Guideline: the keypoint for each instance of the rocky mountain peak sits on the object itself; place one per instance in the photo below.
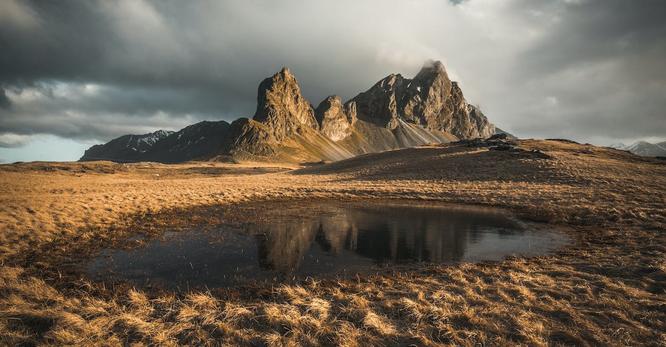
(430, 100)
(432, 68)
(282, 107)
(379, 104)
(285, 71)
(432, 73)
(331, 102)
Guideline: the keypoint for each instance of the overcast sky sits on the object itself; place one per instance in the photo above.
(74, 73)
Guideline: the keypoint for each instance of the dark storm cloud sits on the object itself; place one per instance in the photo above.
(600, 64)
(4, 100)
(126, 45)
(84, 111)
(594, 31)
(99, 69)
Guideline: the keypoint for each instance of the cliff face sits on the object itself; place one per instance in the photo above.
(335, 120)
(394, 113)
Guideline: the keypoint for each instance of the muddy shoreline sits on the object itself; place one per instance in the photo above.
(62, 265)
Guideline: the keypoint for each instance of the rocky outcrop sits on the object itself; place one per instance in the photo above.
(499, 131)
(282, 107)
(335, 119)
(394, 113)
(284, 127)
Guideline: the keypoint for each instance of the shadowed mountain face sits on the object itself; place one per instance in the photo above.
(394, 113)
(196, 141)
(126, 148)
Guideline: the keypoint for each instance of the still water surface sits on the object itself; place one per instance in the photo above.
(338, 241)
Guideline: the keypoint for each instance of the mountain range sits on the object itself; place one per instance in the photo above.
(396, 112)
(644, 148)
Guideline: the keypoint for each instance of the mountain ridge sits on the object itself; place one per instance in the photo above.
(396, 112)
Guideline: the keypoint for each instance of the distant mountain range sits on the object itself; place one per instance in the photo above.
(644, 148)
(396, 112)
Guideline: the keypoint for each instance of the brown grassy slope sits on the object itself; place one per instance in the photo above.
(608, 289)
(580, 183)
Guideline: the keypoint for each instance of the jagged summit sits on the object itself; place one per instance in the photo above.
(285, 71)
(433, 67)
(396, 112)
(282, 107)
(430, 100)
(431, 73)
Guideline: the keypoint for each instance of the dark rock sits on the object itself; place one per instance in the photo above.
(564, 140)
(502, 147)
(509, 136)
(539, 154)
(501, 136)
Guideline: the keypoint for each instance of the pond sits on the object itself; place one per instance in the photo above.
(329, 239)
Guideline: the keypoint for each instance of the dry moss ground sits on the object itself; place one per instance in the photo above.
(609, 288)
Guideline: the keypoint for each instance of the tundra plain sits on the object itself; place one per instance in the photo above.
(607, 288)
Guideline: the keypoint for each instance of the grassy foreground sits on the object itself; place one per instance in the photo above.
(608, 288)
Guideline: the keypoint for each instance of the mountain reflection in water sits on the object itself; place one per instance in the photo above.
(339, 240)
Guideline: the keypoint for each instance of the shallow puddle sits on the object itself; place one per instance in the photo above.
(326, 240)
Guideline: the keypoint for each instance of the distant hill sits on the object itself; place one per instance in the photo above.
(644, 148)
(126, 148)
(196, 141)
(396, 112)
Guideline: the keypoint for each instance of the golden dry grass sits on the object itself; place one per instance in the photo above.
(609, 288)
